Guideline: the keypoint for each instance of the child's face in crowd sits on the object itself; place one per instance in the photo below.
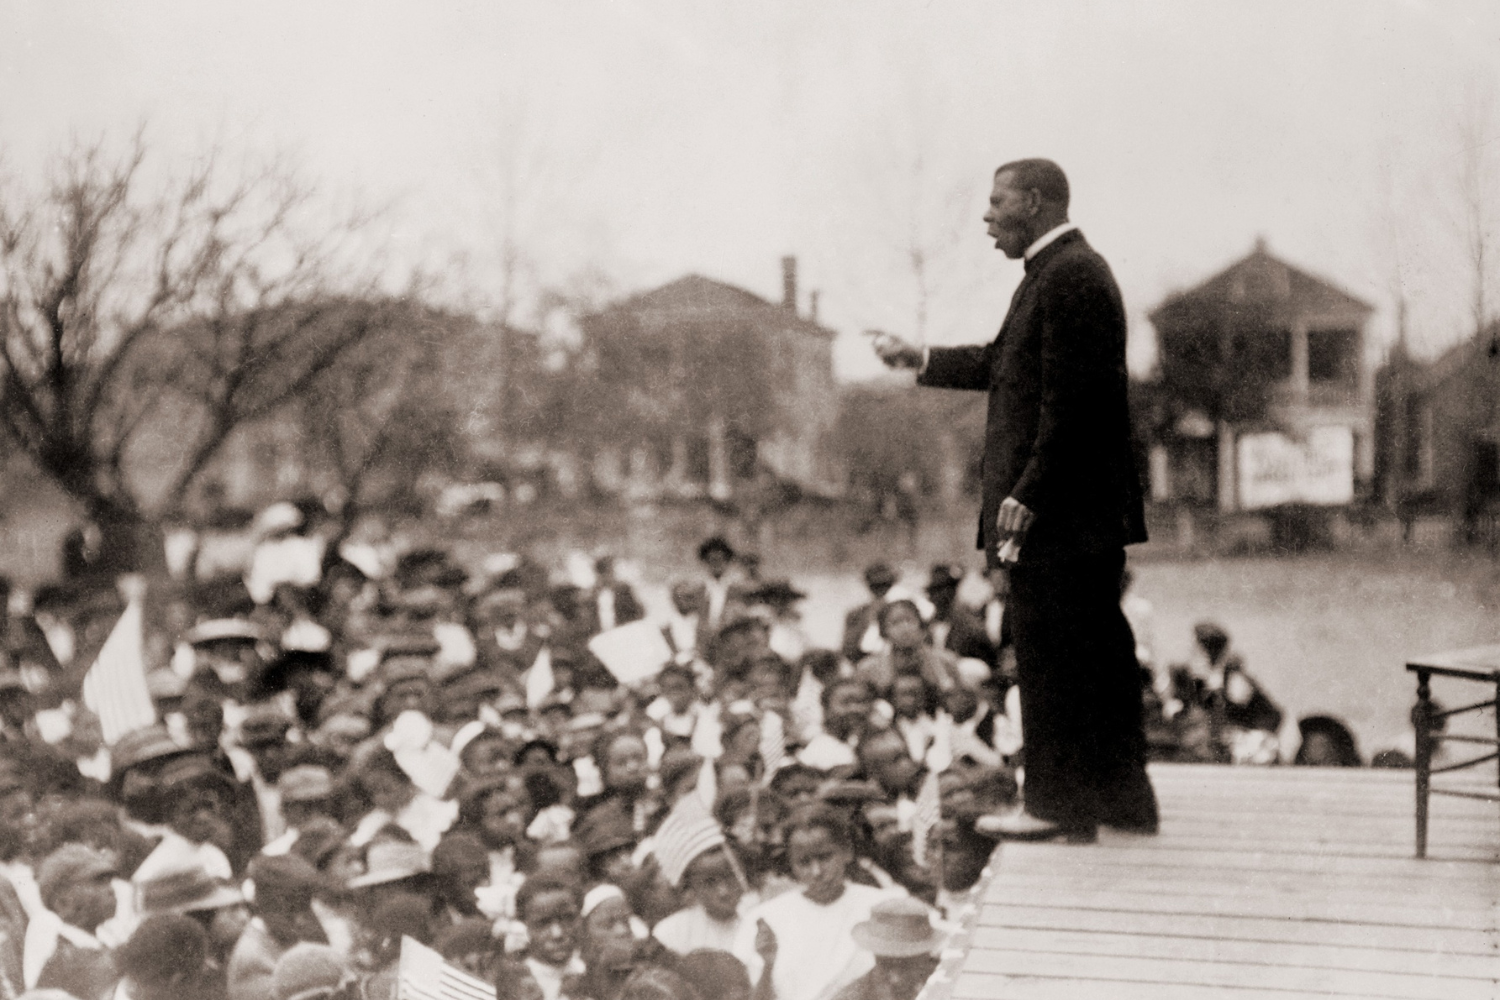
(888, 762)
(711, 881)
(765, 682)
(848, 710)
(903, 627)
(87, 903)
(625, 764)
(908, 697)
(502, 817)
(485, 757)
(678, 691)
(818, 862)
(551, 920)
(607, 940)
(198, 813)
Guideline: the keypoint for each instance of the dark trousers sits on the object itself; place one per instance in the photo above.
(1080, 693)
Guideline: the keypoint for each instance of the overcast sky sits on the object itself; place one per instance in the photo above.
(639, 140)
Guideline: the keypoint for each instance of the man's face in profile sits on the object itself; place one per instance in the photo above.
(1008, 219)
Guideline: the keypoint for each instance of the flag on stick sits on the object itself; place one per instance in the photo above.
(423, 975)
(929, 809)
(115, 686)
(539, 679)
(687, 832)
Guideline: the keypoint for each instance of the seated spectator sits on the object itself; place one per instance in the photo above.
(196, 801)
(169, 958)
(914, 704)
(713, 919)
(315, 972)
(715, 975)
(607, 943)
(284, 888)
(906, 652)
(861, 632)
(847, 704)
(900, 935)
(1218, 711)
(402, 915)
(803, 940)
(62, 950)
(460, 866)
(1326, 742)
(551, 911)
(216, 905)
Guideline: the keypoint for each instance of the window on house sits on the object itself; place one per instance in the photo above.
(1333, 356)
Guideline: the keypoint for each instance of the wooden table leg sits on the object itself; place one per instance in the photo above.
(1423, 763)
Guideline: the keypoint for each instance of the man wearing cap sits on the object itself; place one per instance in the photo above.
(283, 889)
(62, 951)
(305, 794)
(900, 935)
(1061, 499)
(259, 760)
(861, 633)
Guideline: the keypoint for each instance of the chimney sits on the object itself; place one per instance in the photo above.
(812, 305)
(789, 283)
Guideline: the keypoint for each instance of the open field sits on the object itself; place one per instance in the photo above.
(1324, 634)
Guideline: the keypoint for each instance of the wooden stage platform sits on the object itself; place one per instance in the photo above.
(1264, 883)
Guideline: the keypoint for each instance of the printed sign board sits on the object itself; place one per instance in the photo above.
(1276, 468)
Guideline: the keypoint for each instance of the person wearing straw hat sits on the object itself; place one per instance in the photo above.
(900, 935)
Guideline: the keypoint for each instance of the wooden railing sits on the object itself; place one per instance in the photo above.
(1481, 665)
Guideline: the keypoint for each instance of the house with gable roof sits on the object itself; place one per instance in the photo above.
(1266, 398)
(709, 388)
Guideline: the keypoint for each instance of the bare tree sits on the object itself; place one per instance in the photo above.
(386, 410)
(1477, 135)
(181, 315)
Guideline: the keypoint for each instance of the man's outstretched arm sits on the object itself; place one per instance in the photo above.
(936, 367)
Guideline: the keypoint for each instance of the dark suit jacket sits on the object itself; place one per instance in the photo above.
(1057, 434)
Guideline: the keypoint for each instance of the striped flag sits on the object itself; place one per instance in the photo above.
(115, 686)
(772, 744)
(423, 975)
(929, 805)
(687, 832)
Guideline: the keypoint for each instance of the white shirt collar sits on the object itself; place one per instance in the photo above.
(1045, 240)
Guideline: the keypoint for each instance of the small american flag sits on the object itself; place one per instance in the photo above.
(424, 975)
(772, 744)
(115, 686)
(687, 832)
(929, 805)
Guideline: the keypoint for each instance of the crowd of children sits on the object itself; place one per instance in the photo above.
(349, 746)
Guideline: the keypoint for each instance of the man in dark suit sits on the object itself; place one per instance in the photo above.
(1061, 499)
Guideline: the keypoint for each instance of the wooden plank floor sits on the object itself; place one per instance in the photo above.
(1264, 883)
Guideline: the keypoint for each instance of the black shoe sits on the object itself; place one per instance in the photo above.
(1026, 827)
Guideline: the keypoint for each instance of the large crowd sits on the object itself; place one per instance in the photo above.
(355, 743)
